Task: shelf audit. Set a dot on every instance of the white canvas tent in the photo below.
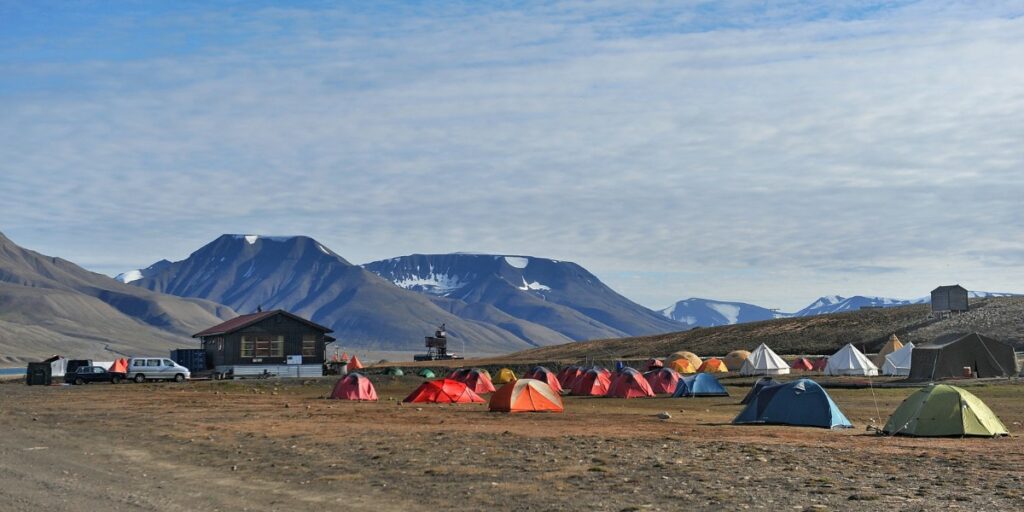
(898, 362)
(58, 366)
(850, 361)
(764, 361)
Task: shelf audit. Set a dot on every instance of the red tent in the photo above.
(458, 374)
(568, 375)
(654, 364)
(629, 383)
(802, 364)
(546, 376)
(819, 364)
(478, 381)
(354, 364)
(354, 386)
(664, 380)
(593, 382)
(119, 366)
(443, 391)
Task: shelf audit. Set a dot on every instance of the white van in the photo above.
(141, 369)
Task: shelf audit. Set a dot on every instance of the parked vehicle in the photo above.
(74, 364)
(90, 374)
(141, 369)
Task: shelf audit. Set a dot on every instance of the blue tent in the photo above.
(802, 402)
(699, 384)
(757, 387)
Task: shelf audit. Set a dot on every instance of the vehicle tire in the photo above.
(140, 378)
(115, 380)
(179, 378)
(79, 381)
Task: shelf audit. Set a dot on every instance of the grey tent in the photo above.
(947, 356)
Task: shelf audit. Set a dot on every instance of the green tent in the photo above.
(427, 373)
(944, 410)
(397, 372)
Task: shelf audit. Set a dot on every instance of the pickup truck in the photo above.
(89, 374)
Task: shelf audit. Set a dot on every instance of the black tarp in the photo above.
(946, 357)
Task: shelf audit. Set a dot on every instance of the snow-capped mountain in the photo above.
(304, 276)
(559, 295)
(135, 275)
(838, 304)
(696, 312)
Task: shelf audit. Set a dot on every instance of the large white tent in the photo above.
(898, 362)
(850, 361)
(764, 361)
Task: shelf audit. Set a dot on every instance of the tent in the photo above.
(764, 361)
(479, 381)
(734, 360)
(819, 364)
(713, 365)
(526, 395)
(354, 386)
(629, 383)
(663, 380)
(948, 356)
(689, 356)
(458, 374)
(701, 384)
(443, 391)
(593, 382)
(119, 366)
(567, 375)
(943, 410)
(898, 362)
(802, 364)
(504, 376)
(850, 361)
(427, 373)
(682, 366)
(354, 364)
(654, 364)
(800, 403)
(892, 345)
(58, 366)
(756, 388)
(394, 372)
(544, 375)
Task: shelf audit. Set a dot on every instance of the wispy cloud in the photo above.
(736, 150)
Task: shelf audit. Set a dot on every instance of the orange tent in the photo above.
(479, 382)
(568, 375)
(663, 380)
(802, 364)
(443, 391)
(682, 366)
(119, 366)
(689, 356)
(713, 365)
(629, 383)
(354, 386)
(592, 383)
(654, 364)
(354, 364)
(546, 376)
(526, 395)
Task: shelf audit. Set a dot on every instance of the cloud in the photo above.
(733, 150)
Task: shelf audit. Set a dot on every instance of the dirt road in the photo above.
(264, 445)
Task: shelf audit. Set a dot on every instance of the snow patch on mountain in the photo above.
(517, 261)
(731, 312)
(131, 275)
(435, 284)
(535, 286)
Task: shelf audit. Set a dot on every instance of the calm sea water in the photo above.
(12, 371)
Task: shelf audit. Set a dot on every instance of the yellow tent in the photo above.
(713, 365)
(682, 365)
(689, 356)
(505, 375)
(890, 346)
(734, 360)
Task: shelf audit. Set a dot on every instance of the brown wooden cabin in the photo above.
(264, 338)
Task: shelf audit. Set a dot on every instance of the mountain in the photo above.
(696, 312)
(837, 304)
(559, 295)
(52, 306)
(301, 275)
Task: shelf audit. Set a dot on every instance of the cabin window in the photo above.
(263, 346)
(308, 345)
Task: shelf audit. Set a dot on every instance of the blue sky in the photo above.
(765, 152)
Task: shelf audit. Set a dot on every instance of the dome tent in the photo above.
(443, 391)
(734, 360)
(800, 403)
(713, 365)
(458, 374)
(764, 361)
(567, 375)
(654, 364)
(850, 361)
(629, 383)
(594, 382)
(504, 376)
(701, 384)
(354, 386)
(693, 359)
(898, 362)
(546, 376)
(943, 410)
(479, 382)
(662, 380)
(427, 373)
(760, 384)
(526, 395)
(802, 364)
(394, 371)
(682, 365)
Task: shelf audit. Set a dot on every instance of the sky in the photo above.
(767, 152)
